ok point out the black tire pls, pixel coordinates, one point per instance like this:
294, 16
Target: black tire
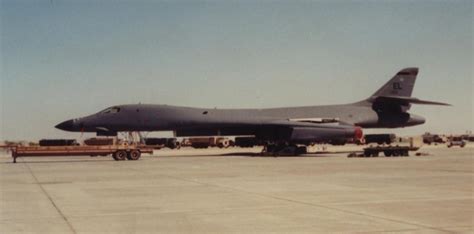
271, 148
120, 155
405, 153
301, 150
387, 153
375, 154
396, 153
133, 155
367, 153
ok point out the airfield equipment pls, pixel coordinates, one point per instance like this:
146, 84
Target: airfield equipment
118, 152
206, 142
379, 138
456, 141
159, 143
246, 142
99, 141
400, 147
429, 138
57, 142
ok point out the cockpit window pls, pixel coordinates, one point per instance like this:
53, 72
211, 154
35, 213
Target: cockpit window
111, 110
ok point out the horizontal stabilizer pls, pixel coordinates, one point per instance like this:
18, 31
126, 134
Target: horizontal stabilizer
407, 100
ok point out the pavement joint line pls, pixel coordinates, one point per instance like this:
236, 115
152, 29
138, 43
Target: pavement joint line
393, 231
49, 197
401, 200
300, 202
166, 213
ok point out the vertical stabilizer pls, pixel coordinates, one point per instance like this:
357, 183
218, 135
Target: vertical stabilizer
401, 85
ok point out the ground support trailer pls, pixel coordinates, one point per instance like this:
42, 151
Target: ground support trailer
400, 147
389, 151
118, 152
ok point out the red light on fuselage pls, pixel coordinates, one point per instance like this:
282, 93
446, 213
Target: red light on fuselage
358, 134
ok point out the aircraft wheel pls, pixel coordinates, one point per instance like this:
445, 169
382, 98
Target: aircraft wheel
301, 150
223, 143
120, 155
269, 149
133, 155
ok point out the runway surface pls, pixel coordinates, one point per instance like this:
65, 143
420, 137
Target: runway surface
223, 191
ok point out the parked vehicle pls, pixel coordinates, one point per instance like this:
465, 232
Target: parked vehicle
429, 139
456, 141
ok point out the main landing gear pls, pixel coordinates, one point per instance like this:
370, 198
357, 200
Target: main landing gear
283, 149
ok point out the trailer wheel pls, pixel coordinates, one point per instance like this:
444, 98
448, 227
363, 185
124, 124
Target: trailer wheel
133, 155
367, 153
120, 155
387, 153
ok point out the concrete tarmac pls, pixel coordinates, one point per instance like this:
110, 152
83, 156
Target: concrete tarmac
230, 191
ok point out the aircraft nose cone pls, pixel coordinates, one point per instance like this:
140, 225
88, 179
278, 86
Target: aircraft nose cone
67, 125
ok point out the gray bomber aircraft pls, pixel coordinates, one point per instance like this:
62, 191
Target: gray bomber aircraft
278, 128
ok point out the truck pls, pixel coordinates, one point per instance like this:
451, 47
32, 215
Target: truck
429, 139
456, 141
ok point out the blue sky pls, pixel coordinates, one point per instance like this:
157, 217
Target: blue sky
64, 59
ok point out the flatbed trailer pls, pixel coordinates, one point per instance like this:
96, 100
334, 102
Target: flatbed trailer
118, 152
389, 151
400, 147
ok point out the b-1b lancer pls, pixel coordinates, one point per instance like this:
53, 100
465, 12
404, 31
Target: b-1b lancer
278, 128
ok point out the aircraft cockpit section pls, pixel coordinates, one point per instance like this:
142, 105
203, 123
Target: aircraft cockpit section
111, 110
